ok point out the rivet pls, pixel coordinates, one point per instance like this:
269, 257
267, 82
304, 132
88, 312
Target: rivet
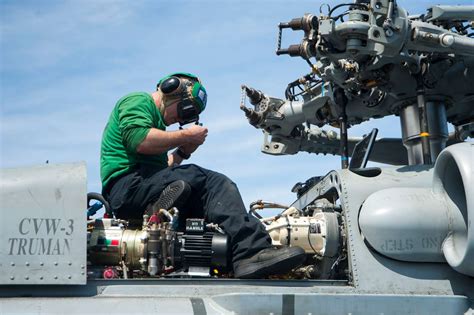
55, 263
82, 273
41, 278
12, 278
12, 264
82, 266
27, 278
69, 277
27, 263
70, 263
55, 277
41, 264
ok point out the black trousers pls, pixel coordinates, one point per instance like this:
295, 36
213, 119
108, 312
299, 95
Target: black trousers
214, 197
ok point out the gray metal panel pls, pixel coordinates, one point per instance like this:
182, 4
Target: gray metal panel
374, 273
370, 271
221, 296
117, 305
287, 304
245, 303
43, 225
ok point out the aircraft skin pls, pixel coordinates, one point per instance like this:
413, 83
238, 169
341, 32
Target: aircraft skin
392, 239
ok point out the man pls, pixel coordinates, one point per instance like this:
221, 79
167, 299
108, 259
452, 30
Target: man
136, 167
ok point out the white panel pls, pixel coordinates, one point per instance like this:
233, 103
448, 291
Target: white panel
43, 225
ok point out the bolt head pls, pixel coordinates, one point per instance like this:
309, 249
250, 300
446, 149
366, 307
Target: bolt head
447, 40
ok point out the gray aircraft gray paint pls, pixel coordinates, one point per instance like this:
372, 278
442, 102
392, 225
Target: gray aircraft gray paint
406, 231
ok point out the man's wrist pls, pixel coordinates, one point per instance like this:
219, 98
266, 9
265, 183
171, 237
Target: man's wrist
184, 134
182, 154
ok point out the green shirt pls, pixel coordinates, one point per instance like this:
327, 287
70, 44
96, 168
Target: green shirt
129, 123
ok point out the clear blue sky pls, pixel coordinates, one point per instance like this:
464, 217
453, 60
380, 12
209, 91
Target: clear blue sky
64, 64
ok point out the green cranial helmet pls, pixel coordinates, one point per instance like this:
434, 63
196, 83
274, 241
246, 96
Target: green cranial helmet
173, 86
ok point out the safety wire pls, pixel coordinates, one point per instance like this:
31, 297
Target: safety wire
338, 260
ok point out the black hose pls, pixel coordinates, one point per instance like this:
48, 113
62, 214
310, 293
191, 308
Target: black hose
255, 214
360, 5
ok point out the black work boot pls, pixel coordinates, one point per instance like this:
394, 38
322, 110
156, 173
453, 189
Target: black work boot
174, 195
269, 261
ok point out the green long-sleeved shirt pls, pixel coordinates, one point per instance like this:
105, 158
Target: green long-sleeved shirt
129, 123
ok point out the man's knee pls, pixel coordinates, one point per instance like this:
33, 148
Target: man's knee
221, 178
200, 171
192, 172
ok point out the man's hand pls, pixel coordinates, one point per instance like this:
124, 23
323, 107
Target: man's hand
195, 136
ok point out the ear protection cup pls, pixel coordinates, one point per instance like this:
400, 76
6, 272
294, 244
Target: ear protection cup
169, 85
177, 74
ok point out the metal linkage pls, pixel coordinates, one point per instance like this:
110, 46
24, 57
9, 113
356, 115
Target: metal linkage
424, 132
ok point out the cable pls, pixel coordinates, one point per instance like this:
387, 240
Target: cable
288, 229
309, 240
290, 89
259, 204
360, 5
255, 214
